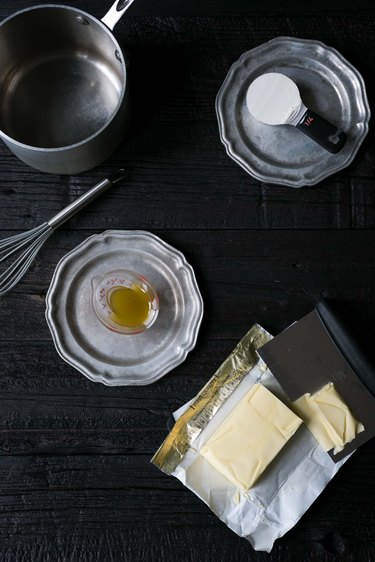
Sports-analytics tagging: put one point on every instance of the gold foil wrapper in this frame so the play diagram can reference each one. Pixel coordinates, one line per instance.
(207, 402)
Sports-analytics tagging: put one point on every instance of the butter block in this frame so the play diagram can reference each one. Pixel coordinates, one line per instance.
(328, 418)
(250, 437)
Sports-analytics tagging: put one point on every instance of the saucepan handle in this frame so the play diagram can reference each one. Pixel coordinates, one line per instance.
(116, 12)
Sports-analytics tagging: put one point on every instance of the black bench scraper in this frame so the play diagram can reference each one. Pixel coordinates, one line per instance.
(319, 349)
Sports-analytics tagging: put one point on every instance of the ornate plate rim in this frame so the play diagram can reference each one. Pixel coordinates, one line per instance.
(124, 380)
(272, 179)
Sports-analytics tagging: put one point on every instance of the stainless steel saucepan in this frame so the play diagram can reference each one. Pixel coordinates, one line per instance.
(63, 87)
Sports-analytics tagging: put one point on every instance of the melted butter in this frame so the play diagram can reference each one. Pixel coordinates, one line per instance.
(130, 306)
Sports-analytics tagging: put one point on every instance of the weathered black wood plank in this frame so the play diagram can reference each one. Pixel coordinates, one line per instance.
(266, 276)
(207, 8)
(183, 178)
(121, 506)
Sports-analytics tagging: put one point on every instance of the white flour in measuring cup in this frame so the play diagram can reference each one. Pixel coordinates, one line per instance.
(273, 99)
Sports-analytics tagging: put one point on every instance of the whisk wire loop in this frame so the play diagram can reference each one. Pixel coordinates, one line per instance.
(26, 245)
(10, 277)
(14, 243)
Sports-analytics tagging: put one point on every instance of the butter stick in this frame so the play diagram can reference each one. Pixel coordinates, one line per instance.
(250, 437)
(328, 418)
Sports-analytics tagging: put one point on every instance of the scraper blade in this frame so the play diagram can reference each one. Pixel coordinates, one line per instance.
(316, 350)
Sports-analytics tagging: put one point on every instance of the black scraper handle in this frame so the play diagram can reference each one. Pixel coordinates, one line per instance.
(321, 131)
(347, 345)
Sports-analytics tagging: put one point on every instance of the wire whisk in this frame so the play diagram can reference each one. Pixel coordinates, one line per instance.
(25, 246)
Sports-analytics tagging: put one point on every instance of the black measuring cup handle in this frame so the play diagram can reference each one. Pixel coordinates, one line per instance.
(321, 131)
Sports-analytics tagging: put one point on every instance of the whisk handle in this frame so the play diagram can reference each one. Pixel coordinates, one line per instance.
(85, 199)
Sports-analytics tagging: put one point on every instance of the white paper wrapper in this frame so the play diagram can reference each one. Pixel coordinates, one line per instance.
(287, 488)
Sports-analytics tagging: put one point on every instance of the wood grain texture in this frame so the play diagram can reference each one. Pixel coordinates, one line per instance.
(76, 483)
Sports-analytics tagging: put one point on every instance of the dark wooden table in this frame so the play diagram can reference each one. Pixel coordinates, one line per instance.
(75, 479)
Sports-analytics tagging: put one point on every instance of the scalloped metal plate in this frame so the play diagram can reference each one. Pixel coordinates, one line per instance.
(282, 155)
(116, 359)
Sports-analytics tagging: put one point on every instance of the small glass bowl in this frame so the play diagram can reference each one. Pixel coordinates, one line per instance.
(103, 289)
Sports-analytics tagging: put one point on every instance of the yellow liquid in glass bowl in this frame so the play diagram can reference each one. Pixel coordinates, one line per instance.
(130, 306)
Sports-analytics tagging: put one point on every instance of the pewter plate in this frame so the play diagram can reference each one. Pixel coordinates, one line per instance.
(281, 154)
(116, 359)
